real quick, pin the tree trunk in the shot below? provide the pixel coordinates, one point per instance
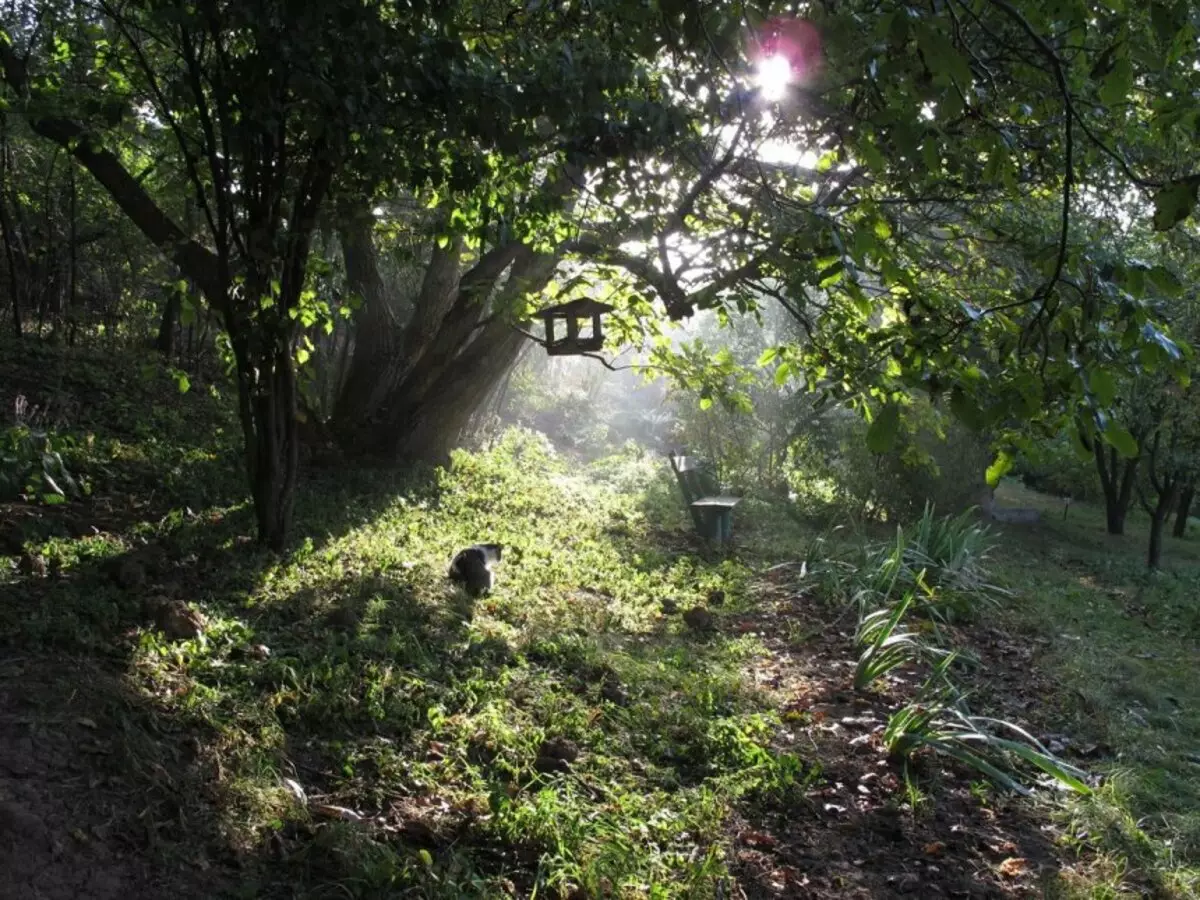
(1167, 501)
(432, 426)
(10, 258)
(267, 408)
(410, 393)
(1117, 479)
(1183, 511)
(165, 342)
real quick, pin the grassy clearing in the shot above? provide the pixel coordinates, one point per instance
(1124, 647)
(357, 716)
(440, 723)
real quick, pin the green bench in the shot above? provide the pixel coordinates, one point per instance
(712, 511)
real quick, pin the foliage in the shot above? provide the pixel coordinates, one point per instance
(32, 466)
(1055, 466)
(937, 718)
(935, 462)
(976, 742)
(349, 668)
(885, 646)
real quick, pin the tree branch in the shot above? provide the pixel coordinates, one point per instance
(197, 261)
(1069, 167)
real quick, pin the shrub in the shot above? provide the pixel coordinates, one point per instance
(933, 463)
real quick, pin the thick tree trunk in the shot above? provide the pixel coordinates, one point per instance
(411, 393)
(1117, 478)
(457, 373)
(433, 426)
(376, 364)
(1183, 511)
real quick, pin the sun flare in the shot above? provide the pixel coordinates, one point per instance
(772, 77)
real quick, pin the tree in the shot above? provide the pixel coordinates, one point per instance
(1184, 510)
(266, 103)
(616, 146)
(1173, 460)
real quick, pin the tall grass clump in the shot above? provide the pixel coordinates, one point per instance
(950, 554)
(938, 572)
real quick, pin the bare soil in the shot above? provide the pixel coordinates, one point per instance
(76, 823)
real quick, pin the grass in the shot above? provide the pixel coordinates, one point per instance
(1124, 645)
(345, 724)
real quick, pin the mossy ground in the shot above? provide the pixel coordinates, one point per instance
(345, 724)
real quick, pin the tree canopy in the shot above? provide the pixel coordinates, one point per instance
(927, 191)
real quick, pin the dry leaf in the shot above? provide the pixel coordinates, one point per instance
(757, 839)
(1014, 866)
(934, 848)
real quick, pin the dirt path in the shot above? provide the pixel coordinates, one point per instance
(73, 824)
(856, 834)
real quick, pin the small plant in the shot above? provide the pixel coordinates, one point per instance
(31, 464)
(949, 552)
(887, 646)
(946, 727)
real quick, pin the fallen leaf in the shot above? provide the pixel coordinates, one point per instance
(934, 848)
(757, 839)
(85, 722)
(1013, 867)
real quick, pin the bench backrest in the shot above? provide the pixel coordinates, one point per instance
(696, 479)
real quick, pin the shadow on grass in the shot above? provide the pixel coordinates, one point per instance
(76, 612)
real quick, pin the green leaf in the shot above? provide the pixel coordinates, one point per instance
(1118, 83)
(783, 373)
(1000, 467)
(1103, 386)
(1165, 281)
(942, 57)
(965, 409)
(1174, 202)
(1121, 439)
(182, 381)
(767, 356)
(302, 356)
(706, 402)
(831, 275)
(881, 436)
(869, 154)
(1167, 20)
(1082, 453)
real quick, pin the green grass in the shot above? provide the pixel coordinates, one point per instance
(1124, 648)
(387, 693)
(418, 704)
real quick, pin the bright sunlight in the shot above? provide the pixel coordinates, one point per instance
(772, 77)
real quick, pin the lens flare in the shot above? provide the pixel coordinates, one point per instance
(787, 52)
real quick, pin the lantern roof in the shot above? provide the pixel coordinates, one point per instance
(579, 307)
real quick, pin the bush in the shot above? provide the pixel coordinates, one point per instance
(932, 463)
(32, 466)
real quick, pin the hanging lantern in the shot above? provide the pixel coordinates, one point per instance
(573, 314)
